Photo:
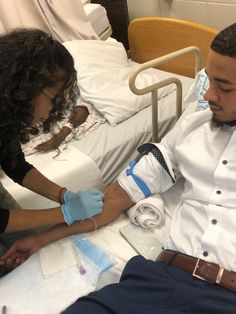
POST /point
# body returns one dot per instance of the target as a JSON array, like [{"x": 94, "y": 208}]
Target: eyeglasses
[
  {"x": 52, "y": 97},
  {"x": 56, "y": 101}
]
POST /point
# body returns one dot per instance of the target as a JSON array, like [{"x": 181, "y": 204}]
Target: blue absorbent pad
[{"x": 95, "y": 254}]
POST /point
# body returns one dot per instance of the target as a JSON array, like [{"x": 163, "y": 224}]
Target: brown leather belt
[{"x": 200, "y": 269}]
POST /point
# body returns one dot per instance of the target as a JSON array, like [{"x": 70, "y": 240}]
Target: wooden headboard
[{"x": 152, "y": 37}]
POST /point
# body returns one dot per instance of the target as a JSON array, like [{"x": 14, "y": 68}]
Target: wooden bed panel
[{"x": 152, "y": 37}]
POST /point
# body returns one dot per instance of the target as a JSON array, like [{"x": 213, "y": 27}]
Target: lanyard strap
[{"x": 140, "y": 183}]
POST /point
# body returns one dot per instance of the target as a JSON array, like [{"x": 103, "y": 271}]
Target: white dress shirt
[{"x": 204, "y": 222}]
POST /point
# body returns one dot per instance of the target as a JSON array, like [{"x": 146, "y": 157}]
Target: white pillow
[
  {"x": 103, "y": 71},
  {"x": 197, "y": 91},
  {"x": 97, "y": 53}
]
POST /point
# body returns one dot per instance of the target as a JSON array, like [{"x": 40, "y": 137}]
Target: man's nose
[{"x": 211, "y": 94}]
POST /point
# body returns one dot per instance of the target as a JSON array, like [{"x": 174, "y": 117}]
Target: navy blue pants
[{"x": 156, "y": 288}]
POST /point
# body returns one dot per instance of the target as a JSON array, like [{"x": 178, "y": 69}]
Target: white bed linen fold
[{"x": 72, "y": 169}]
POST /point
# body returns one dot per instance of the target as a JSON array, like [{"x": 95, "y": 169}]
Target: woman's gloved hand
[{"x": 81, "y": 205}]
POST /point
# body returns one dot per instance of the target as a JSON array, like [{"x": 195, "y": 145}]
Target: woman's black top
[{"x": 16, "y": 173}]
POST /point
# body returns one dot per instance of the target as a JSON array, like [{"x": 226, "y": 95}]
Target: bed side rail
[{"x": 154, "y": 87}]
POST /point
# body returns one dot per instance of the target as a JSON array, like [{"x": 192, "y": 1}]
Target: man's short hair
[{"x": 225, "y": 42}]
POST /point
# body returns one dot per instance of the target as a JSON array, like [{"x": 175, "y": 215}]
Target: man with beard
[{"x": 196, "y": 271}]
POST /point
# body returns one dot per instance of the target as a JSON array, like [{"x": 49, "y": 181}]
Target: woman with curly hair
[{"x": 37, "y": 84}]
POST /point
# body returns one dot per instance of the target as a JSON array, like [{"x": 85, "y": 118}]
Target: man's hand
[{"x": 20, "y": 251}]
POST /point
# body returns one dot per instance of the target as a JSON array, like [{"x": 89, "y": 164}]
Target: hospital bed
[{"x": 97, "y": 159}]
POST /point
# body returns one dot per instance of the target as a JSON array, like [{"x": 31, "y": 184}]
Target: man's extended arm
[{"x": 116, "y": 201}]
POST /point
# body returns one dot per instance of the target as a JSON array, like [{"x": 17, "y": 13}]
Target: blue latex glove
[{"x": 81, "y": 205}]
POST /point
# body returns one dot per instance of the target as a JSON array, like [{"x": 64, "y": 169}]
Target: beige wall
[
  {"x": 139, "y": 8},
  {"x": 215, "y": 13}
]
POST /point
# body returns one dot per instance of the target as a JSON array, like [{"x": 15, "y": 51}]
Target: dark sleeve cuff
[
  {"x": 17, "y": 173},
  {"x": 4, "y": 217}
]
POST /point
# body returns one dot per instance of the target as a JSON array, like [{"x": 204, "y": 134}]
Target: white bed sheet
[
  {"x": 71, "y": 168},
  {"x": 97, "y": 16}
]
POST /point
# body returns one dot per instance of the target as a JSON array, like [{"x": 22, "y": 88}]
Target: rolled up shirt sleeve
[{"x": 157, "y": 168}]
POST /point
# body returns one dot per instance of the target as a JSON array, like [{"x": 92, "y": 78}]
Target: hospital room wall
[{"x": 214, "y": 13}]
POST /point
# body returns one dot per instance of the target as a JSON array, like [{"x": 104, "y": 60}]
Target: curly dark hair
[
  {"x": 31, "y": 60},
  {"x": 225, "y": 42}
]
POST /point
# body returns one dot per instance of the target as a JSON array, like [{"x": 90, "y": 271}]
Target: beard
[{"x": 216, "y": 124}]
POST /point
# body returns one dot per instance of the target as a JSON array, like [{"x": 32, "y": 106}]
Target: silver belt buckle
[
  {"x": 218, "y": 278},
  {"x": 195, "y": 270}
]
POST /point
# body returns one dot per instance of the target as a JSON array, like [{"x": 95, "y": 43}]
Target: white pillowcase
[
  {"x": 197, "y": 91},
  {"x": 97, "y": 53},
  {"x": 103, "y": 71}
]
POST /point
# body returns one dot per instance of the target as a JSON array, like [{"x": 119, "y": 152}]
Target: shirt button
[
  {"x": 205, "y": 253},
  {"x": 218, "y": 192},
  {"x": 224, "y": 162},
  {"x": 214, "y": 221}
]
